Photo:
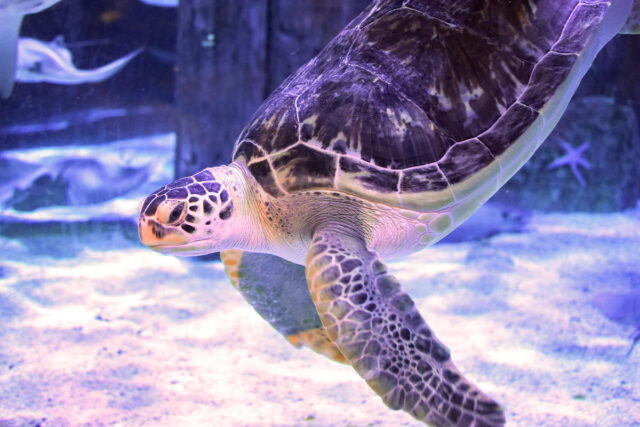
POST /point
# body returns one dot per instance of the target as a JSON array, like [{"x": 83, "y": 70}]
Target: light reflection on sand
[{"x": 130, "y": 336}]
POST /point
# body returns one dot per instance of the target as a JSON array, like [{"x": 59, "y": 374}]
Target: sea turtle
[{"x": 411, "y": 118}]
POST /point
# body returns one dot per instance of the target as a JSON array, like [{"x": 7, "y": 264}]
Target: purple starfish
[{"x": 572, "y": 158}]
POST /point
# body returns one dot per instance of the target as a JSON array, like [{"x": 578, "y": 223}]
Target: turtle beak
[{"x": 156, "y": 235}]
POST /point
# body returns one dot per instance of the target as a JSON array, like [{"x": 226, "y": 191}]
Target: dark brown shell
[{"x": 416, "y": 96}]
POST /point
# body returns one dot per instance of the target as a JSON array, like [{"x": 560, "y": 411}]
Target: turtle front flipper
[
  {"x": 277, "y": 290},
  {"x": 378, "y": 329}
]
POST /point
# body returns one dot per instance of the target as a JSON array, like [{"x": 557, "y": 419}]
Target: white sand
[{"x": 130, "y": 337}]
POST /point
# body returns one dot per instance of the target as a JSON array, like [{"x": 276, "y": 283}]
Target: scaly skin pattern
[
  {"x": 363, "y": 316},
  {"x": 224, "y": 208},
  {"x": 378, "y": 329}
]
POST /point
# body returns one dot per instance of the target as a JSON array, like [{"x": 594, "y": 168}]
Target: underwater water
[
  {"x": 537, "y": 295},
  {"x": 97, "y": 330}
]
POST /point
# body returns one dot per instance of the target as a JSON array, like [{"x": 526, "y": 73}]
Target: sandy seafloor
[{"x": 97, "y": 330}]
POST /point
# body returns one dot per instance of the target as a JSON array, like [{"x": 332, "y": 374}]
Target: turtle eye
[
  {"x": 176, "y": 212},
  {"x": 171, "y": 212}
]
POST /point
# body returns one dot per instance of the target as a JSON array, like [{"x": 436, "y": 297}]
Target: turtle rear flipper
[
  {"x": 318, "y": 340},
  {"x": 378, "y": 329},
  {"x": 277, "y": 290}
]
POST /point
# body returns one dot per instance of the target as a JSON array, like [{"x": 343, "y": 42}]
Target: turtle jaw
[
  {"x": 154, "y": 234},
  {"x": 170, "y": 240},
  {"x": 200, "y": 247}
]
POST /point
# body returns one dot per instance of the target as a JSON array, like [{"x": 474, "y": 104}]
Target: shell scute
[
  {"x": 423, "y": 179},
  {"x": 547, "y": 75},
  {"x": 248, "y": 150},
  {"x": 368, "y": 176},
  {"x": 274, "y": 126},
  {"x": 262, "y": 172},
  {"x": 512, "y": 124},
  {"x": 328, "y": 59},
  {"x": 303, "y": 168},
  {"x": 527, "y": 28},
  {"x": 580, "y": 26},
  {"x": 461, "y": 81},
  {"x": 463, "y": 158},
  {"x": 354, "y": 109}
]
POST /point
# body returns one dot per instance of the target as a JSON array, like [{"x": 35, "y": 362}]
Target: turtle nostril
[{"x": 176, "y": 212}]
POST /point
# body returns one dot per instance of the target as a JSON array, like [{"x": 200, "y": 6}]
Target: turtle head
[{"x": 190, "y": 216}]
